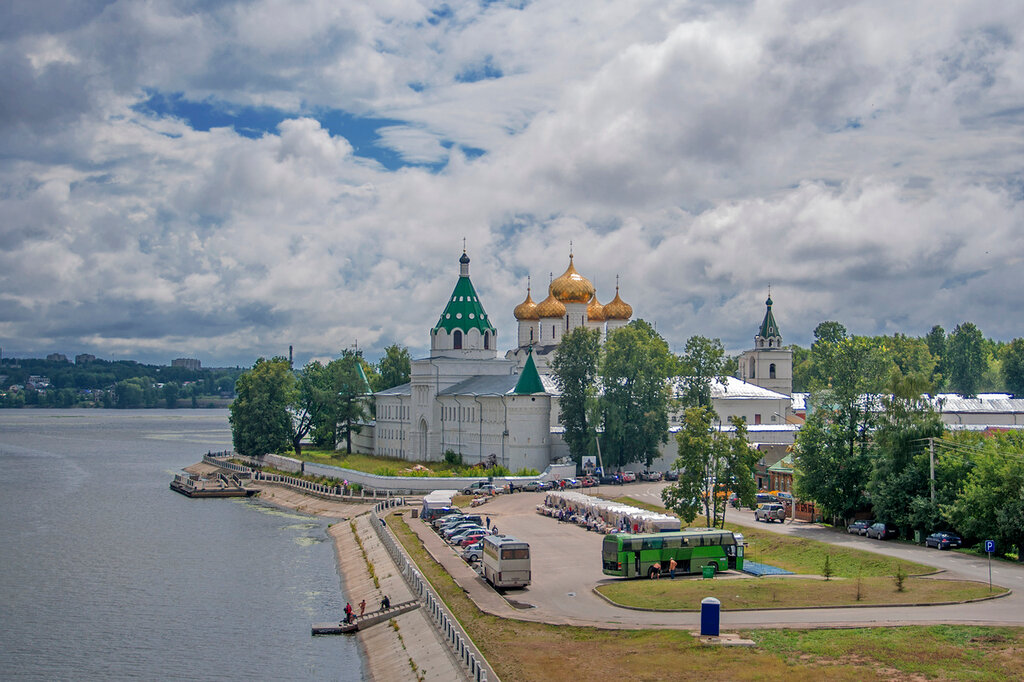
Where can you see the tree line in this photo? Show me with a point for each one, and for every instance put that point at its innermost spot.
(963, 361)
(277, 408)
(872, 438)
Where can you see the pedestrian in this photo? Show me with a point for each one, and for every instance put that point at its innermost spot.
(655, 571)
(362, 608)
(348, 612)
(494, 530)
(385, 603)
(488, 523)
(672, 568)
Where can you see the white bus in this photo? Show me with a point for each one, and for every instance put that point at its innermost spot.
(506, 561)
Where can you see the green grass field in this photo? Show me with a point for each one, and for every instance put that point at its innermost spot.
(749, 593)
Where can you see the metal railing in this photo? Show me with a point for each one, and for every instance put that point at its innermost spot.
(452, 633)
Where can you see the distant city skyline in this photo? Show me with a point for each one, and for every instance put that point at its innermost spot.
(225, 180)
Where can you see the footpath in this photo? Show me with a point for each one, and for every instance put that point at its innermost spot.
(408, 647)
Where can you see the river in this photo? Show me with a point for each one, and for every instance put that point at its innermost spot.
(106, 573)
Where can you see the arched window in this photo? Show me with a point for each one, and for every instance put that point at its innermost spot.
(753, 369)
(487, 340)
(457, 340)
(771, 371)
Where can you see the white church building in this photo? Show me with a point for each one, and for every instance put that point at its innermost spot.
(465, 398)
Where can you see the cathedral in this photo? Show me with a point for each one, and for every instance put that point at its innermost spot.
(504, 410)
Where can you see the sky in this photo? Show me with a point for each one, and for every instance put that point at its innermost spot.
(221, 180)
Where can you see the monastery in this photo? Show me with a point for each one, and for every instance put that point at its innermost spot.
(467, 399)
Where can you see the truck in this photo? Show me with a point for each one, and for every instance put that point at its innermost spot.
(437, 504)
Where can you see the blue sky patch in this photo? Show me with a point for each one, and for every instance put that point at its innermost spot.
(485, 70)
(254, 122)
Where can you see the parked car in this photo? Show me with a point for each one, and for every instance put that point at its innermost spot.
(536, 486)
(859, 527)
(475, 533)
(471, 539)
(463, 518)
(449, 533)
(571, 483)
(588, 481)
(473, 552)
(882, 531)
(610, 479)
(650, 476)
(943, 541)
(480, 488)
(671, 475)
(770, 511)
(628, 477)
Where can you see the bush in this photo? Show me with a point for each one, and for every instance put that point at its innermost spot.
(525, 471)
(826, 570)
(453, 458)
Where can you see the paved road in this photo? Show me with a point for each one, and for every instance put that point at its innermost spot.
(566, 568)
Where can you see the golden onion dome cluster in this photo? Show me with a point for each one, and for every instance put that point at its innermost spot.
(572, 287)
(550, 307)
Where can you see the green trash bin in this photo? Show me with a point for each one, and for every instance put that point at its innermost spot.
(709, 571)
(918, 537)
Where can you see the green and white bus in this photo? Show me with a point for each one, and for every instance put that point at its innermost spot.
(634, 556)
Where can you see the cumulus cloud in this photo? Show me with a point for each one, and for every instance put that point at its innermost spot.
(861, 158)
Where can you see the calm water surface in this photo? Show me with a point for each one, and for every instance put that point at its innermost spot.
(106, 573)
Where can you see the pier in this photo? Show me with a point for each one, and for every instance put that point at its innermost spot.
(366, 620)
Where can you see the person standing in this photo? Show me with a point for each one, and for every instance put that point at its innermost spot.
(362, 608)
(488, 523)
(348, 612)
(672, 568)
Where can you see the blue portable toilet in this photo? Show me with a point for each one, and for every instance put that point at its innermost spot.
(710, 610)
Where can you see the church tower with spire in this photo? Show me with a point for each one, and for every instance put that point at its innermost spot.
(768, 364)
(464, 330)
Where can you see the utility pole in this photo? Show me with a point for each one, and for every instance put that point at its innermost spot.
(931, 466)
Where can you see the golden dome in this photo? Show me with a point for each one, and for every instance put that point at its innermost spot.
(617, 309)
(527, 310)
(595, 311)
(572, 287)
(550, 307)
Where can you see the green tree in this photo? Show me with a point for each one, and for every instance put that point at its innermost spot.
(831, 449)
(991, 505)
(702, 363)
(395, 367)
(635, 367)
(575, 372)
(170, 392)
(899, 486)
(130, 394)
(313, 398)
(965, 359)
(259, 416)
(1013, 367)
(936, 340)
(710, 463)
(348, 406)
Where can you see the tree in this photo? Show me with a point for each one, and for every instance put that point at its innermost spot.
(710, 463)
(575, 372)
(1013, 367)
(171, 390)
(702, 363)
(395, 367)
(991, 505)
(899, 486)
(965, 359)
(313, 398)
(347, 408)
(831, 449)
(936, 340)
(259, 416)
(635, 367)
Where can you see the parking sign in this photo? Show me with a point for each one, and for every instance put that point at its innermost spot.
(990, 546)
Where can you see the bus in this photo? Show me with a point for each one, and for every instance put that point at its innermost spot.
(634, 556)
(506, 561)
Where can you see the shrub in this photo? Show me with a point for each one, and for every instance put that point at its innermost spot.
(453, 458)
(899, 577)
(826, 570)
(526, 471)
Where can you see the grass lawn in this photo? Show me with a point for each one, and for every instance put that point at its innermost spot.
(533, 651)
(750, 593)
(807, 557)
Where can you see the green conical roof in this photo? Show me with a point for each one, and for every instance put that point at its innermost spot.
(768, 326)
(529, 381)
(464, 310)
(366, 382)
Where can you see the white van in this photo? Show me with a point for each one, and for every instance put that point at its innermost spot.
(506, 561)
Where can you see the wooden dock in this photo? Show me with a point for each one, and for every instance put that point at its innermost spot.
(366, 620)
(219, 486)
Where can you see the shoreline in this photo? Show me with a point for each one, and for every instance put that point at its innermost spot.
(408, 647)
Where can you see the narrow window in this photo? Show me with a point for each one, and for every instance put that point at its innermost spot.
(457, 337)
(487, 341)
(757, 419)
(771, 371)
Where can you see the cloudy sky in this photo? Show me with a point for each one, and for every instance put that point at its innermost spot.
(222, 179)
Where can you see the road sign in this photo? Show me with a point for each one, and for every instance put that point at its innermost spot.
(990, 546)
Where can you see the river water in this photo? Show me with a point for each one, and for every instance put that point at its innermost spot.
(107, 573)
